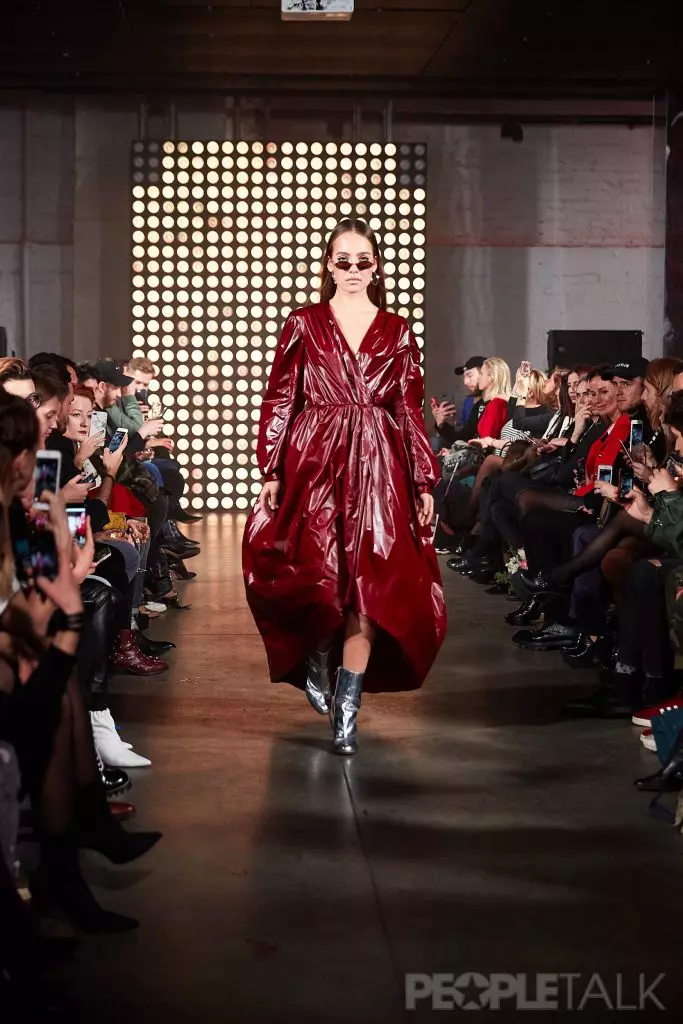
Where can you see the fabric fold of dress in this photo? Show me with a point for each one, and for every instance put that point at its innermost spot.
(345, 435)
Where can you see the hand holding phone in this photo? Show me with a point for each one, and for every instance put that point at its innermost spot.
(98, 425)
(117, 440)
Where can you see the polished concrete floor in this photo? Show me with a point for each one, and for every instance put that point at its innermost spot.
(474, 832)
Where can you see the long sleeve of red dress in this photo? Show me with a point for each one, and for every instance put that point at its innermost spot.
(280, 400)
(410, 418)
(345, 434)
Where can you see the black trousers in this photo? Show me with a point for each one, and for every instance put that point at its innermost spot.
(644, 632)
(547, 536)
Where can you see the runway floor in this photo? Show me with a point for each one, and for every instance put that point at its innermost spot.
(474, 832)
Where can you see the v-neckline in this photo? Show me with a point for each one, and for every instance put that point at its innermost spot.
(343, 336)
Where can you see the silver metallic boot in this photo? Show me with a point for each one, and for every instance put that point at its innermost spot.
(318, 683)
(345, 705)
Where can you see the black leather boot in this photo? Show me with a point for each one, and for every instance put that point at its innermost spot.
(529, 611)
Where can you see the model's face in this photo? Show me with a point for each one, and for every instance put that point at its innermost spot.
(78, 426)
(572, 384)
(629, 393)
(603, 397)
(352, 263)
(471, 379)
(47, 415)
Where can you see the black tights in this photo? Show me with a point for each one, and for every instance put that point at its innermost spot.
(620, 526)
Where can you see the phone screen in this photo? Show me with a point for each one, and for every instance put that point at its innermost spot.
(636, 433)
(117, 439)
(47, 472)
(605, 474)
(44, 560)
(626, 483)
(76, 517)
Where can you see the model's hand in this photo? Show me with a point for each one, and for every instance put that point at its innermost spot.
(267, 499)
(425, 510)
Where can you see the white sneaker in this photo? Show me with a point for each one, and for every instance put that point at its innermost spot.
(648, 740)
(109, 744)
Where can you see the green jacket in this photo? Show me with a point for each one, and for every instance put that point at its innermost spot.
(127, 414)
(665, 529)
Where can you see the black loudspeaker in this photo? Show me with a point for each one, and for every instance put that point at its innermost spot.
(567, 348)
(3, 342)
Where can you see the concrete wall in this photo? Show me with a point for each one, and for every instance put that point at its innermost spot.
(562, 230)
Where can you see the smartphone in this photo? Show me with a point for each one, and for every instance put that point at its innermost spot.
(626, 483)
(98, 423)
(636, 433)
(525, 368)
(142, 396)
(101, 556)
(44, 558)
(674, 465)
(90, 474)
(48, 472)
(626, 452)
(76, 518)
(117, 439)
(604, 474)
(155, 407)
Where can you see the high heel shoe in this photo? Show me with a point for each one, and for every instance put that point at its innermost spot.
(318, 683)
(344, 709)
(97, 829)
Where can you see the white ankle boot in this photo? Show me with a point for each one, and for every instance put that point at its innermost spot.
(109, 744)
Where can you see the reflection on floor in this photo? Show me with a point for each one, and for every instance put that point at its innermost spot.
(474, 831)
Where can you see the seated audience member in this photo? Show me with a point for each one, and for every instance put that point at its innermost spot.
(444, 412)
(16, 379)
(44, 719)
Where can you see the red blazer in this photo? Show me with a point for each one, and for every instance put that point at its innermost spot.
(604, 452)
(493, 418)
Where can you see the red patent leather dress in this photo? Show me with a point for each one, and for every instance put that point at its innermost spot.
(346, 436)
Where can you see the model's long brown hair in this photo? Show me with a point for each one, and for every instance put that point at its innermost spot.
(377, 292)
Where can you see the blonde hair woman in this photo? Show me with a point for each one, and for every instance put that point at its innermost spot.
(494, 385)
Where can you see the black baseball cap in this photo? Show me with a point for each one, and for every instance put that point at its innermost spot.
(629, 369)
(108, 371)
(473, 363)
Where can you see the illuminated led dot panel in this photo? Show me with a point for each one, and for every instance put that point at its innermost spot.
(227, 240)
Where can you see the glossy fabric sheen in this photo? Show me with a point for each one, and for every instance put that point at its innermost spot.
(345, 434)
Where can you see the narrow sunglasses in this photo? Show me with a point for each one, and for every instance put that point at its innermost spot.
(364, 264)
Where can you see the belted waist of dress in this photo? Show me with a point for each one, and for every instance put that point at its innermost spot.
(344, 405)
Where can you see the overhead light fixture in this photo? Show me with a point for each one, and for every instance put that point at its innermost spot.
(316, 10)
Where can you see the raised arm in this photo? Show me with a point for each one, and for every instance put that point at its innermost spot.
(410, 417)
(281, 400)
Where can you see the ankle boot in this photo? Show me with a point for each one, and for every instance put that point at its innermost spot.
(344, 709)
(318, 683)
(128, 656)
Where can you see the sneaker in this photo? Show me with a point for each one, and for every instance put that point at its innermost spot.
(648, 740)
(644, 717)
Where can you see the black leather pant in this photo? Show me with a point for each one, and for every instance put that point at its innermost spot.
(106, 613)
